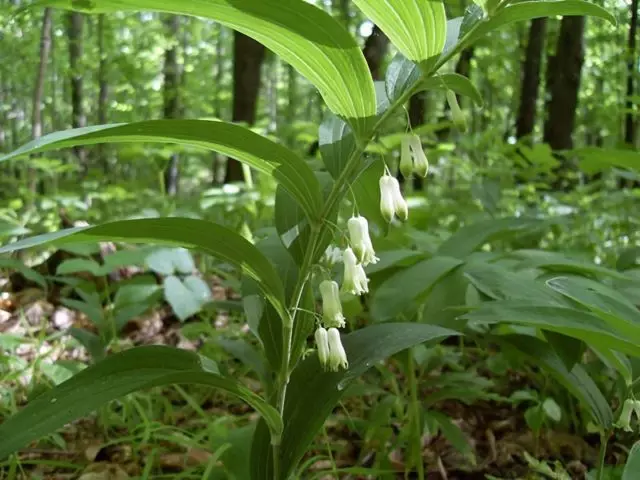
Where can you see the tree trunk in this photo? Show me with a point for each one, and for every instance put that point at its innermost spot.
(632, 62)
(416, 118)
(563, 83)
(171, 97)
(375, 48)
(526, 121)
(38, 91)
(103, 89)
(248, 56)
(75, 22)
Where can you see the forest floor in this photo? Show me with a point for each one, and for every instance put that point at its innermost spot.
(159, 433)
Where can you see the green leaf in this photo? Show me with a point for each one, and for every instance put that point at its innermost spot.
(402, 75)
(337, 142)
(453, 81)
(573, 323)
(594, 159)
(522, 11)
(184, 302)
(632, 467)
(75, 265)
(555, 261)
(403, 289)
(302, 34)
(247, 354)
(576, 380)
(313, 393)
(112, 378)
(417, 28)
(187, 232)
(471, 237)
(90, 341)
(366, 190)
(233, 140)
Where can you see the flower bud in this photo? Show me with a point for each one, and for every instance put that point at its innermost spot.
(331, 307)
(361, 241)
(355, 280)
(420, 162)
(387, 206)
(406, 158)
(337, 355)
(322, 343)
(457, 115)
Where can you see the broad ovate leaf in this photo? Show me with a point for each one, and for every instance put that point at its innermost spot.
(304, 35)
(112, 378)
(236, 141)
(416, 27)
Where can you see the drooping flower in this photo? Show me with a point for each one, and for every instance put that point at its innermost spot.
(406, 157)
(361, 241)
(337, 355)
(322, 342)
(624, 421)
(412, 157)
(391, 199)
(355, 280)
(332, 254)
(457, 115)
(420, 162)
(331, 307)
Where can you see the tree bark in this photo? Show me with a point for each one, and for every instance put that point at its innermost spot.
(248, 56)
(75, 24)
(632, 63)
(530, 86)
(103, 89)
(38, 91)
(563, 83)
(171, 97)
(375, 48)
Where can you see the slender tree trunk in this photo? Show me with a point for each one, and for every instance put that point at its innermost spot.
(38, 91)
(563, 84)
(218, 75)
(171, 94)
(375, 48)
(526, 121)
(632, 70)
(75, 24)
(248, 56)
(417, 112)
(103, 90)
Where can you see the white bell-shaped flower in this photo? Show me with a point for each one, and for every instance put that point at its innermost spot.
(406, 157)
(361, 241)
(457, 115)
(355, 280)
(420, 162)
(322, 344)
(337, 355)
(628, 409)
(391, 199)
(331, 307)
(387, 206)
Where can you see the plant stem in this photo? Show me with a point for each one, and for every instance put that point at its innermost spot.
(604, 440)
(333, 198)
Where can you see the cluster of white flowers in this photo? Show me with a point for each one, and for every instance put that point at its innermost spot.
(360, 253)
(355, 257)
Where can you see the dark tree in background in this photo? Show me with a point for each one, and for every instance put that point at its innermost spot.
(375, 49)
(248, 56)
(75, 24)
(530, 86)
(564, 70)
(171, 97)
(632, 69)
